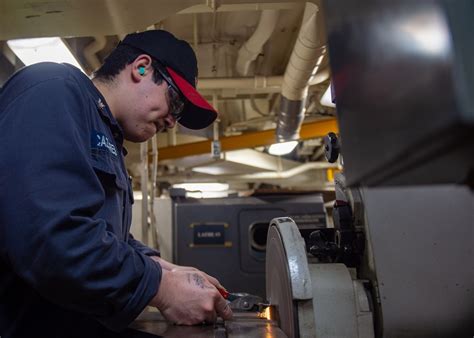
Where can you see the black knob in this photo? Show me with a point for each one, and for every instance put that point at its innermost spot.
(331, 147)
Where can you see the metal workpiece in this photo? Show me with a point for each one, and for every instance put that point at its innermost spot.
(243, 324)
(245, 302)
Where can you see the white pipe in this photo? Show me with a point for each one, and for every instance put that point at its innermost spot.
(91, 49)
(305, 58)
(286, 174)
(253, 47)
(305, 61)
(216, 122)
(256, 82)
(320, 76)
(9, 55)
(242, 82)
(154, 172)
(172, 136)
(144, 184)
(195, 32)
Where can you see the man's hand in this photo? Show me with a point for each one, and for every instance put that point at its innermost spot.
(187, 297)
(173, 267)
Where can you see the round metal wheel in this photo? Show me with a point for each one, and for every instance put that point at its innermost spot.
(278, 282)
(288, 281)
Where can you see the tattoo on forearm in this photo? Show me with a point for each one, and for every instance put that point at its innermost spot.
(198, 281)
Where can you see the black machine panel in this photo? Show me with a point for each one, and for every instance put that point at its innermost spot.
(226, 237)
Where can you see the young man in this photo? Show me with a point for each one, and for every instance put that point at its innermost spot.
(68, 265)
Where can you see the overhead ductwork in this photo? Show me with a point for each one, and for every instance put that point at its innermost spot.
(91, 49)
(305, 61)
(253, 47)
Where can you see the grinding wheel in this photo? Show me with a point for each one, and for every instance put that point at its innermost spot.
(278, 282)
(288, 283)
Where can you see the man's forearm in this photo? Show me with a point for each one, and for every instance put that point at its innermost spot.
(164, 264)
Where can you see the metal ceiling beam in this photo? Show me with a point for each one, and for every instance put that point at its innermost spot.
(248, 140)
(39, 18)
(203, 8)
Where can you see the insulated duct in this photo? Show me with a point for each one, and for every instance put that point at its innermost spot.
(253, 47)
(91, 49)
(305, 61)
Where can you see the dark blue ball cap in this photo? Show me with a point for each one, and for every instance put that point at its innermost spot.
(179, 59)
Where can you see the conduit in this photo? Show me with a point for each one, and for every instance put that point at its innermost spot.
(304, 63)
(154, 173)
(255, 82)
(253, 47)
(91, 49)
(144, 185)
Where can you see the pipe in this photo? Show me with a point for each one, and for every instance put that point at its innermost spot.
(242, 82)
(271, 83)
(195, 33)
(284, 174)
(216, 122)
(172, 136)
(144, 185)
(304, 64)
(9, 55)
(253, 47)
(154, 172)
(290, 119)
(91, 49)
(321, 76)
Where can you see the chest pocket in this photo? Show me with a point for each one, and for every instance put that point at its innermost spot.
(116, 208)
(109, 172)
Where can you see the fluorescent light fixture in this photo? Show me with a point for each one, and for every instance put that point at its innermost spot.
(326, 100)
(282, 148)
(204, 190)
(137, 195)
(207, 194)
(203, 187)
(31, 51)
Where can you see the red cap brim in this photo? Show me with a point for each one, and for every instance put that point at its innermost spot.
(198, 113)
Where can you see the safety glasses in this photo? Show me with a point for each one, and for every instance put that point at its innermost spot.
(175, 100)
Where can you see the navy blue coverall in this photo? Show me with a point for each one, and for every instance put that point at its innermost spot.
(68, 265)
